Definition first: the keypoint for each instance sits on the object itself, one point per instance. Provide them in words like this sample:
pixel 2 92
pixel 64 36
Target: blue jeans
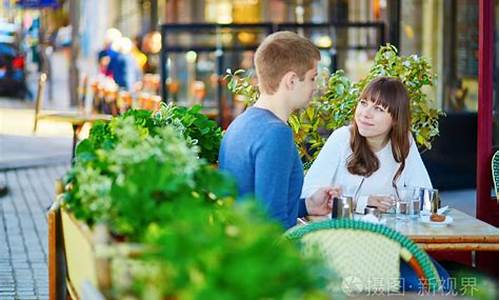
pixel 410 281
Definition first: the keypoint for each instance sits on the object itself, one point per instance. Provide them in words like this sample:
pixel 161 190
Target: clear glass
pixel 407 203
pixel 349 190
pixel 412 196
pixel 402 209
pixel 391 210
pixel 415 208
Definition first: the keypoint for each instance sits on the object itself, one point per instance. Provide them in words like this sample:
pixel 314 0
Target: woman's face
pixel 373 120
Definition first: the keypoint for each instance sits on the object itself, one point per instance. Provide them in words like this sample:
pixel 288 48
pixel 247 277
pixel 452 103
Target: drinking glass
pixel 412 195
pixel 408 205
pixel 402 209
pixel 414 199
pixel 392 209
pixel 349 190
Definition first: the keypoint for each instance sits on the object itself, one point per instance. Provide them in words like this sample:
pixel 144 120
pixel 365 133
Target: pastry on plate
pixel 437 218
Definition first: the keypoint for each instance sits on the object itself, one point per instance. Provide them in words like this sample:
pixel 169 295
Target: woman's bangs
pixel 378 95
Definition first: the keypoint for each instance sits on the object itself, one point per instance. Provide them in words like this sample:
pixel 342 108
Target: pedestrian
pixel 107 53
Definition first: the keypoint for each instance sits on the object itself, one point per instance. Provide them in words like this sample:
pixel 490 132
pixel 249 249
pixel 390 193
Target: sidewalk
pixel 19 147
pixel 21 151
pixel 23 231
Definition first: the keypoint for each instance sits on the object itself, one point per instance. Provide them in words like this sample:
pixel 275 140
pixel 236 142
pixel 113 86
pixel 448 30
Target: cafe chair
pixel 42 82
pixel 494 172
pixel 40 95
pixel 77 119
pixel 365 256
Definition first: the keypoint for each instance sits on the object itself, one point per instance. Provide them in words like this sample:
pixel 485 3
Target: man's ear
pixel 289 80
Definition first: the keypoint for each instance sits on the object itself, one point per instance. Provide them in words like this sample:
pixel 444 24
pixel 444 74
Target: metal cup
pixel 342 207
pixel 435 202
pixel 372 210
pixel 429 199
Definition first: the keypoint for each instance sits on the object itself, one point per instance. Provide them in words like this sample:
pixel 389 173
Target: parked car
pixel 12 74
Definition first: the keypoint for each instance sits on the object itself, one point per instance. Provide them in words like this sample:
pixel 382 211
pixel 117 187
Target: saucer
pixel 427 220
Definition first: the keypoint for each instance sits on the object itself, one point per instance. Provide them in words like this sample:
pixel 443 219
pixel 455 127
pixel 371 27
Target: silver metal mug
pixel 429 199
pixel 373 210
pixel 342 207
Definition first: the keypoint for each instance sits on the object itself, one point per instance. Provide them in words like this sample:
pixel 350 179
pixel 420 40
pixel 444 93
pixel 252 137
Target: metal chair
pixel 494 171
pixel 75 119
pixel 42 82
pixel 366 256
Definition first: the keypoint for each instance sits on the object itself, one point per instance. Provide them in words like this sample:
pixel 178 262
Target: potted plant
pixel 111 184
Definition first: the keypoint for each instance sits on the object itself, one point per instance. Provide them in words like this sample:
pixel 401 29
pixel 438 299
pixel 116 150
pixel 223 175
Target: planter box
pixel 78 266
pixel 84 262
pixel 79 250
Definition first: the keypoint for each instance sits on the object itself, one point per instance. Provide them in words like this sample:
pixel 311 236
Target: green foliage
pixel 474 285
pixel 242 85
pixel 243 257
pixel 200 130
pixel 196 128
pixel 335 108
pixel 126 185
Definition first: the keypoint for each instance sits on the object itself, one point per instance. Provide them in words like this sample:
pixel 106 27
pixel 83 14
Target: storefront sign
pixel 38 3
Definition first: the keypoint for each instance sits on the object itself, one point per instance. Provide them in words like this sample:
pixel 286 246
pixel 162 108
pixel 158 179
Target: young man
pixel 258 147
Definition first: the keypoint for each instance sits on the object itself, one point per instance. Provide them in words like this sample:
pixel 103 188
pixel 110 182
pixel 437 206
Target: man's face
pixel 304 89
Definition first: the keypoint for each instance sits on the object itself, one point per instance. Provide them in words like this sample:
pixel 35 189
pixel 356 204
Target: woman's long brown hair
pixel 391 94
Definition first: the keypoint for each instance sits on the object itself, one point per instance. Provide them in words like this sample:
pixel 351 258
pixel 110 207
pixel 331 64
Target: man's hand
pixel 320 203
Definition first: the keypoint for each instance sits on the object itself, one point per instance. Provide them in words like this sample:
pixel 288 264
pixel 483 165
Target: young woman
pixel 374 157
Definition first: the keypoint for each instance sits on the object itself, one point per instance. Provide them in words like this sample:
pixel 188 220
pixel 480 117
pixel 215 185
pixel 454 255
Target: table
pixel 77 120
pixel 466 233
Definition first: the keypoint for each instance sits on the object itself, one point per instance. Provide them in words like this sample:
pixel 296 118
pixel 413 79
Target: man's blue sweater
pixel 259 151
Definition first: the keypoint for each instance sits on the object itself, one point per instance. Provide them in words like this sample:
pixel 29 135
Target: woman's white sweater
pixel 330 169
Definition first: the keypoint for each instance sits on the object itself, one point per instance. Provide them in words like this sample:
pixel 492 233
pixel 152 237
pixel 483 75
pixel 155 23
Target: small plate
pixel 440 211
pixel 427 220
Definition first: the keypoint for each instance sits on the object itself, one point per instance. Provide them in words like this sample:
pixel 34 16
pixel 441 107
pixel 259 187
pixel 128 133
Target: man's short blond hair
pixel 282 52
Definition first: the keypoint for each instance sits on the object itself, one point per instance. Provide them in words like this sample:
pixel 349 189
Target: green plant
pixel 194 126
pixel 243 257
pixel 242 85
pixel 200 130
pixel 336 106
pixel 111 184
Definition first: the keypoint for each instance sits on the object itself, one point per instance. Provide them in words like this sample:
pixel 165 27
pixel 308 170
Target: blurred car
pixel 12 75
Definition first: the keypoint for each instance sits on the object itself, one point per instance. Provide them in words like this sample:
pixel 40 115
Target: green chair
pixel 494 171
pixel 366 256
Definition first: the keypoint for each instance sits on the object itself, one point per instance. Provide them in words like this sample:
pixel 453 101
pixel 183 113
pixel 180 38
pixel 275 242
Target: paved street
pixel 23 231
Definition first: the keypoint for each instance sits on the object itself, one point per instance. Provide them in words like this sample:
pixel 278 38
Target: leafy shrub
pixel 125 174
pixel 243 257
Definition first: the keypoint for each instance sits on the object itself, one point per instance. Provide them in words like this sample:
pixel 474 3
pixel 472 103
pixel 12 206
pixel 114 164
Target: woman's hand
pixel 383 203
